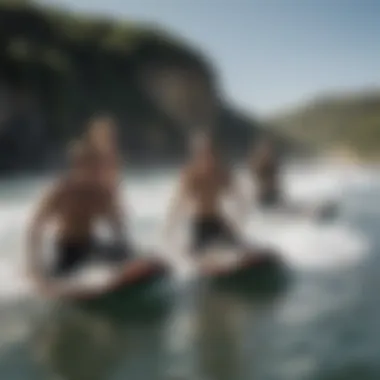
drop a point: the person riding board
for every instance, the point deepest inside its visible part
(76, 203)
(203, 182)
(264, 168)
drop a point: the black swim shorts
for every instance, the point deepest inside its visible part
(211, 230)
(269, 198)
(71, 254)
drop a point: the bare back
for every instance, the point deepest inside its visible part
(79, 207)
(206, 189)
(112, 166)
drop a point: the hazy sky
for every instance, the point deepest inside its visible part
(269, 53)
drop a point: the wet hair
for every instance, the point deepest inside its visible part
(100, 121)
(200, 140)
(81, 152)
(95, 127)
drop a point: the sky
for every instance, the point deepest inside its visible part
(269, 54)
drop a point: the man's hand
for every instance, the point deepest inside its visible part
(43, 286)
(44, 212)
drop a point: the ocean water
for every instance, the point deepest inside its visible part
(323, 326)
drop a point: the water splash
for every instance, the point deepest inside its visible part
(303, 243)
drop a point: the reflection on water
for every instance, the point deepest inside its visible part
(318, 325)
(203, 335)
(207, 333)
(80, 344)
(219, 338)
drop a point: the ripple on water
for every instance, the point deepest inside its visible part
(325, 321)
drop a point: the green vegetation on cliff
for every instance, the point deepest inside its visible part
(58, 68)
(351, 122)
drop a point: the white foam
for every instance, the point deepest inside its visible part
(308, 245)
(302, 242)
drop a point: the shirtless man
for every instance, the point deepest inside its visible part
(204, 181)
(264, 167)
(75, 203)
(101, 135)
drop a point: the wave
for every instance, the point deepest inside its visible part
(303, 243)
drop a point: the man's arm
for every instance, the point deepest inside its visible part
(44, 212)
(241, 198)
(178, 202)
(116, 217)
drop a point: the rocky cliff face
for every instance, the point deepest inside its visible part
(58, 69)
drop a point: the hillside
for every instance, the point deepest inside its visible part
(57, 69)
(350, 122)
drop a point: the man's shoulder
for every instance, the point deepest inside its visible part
(188, 173)
(59, 186)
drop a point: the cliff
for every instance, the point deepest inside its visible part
(57, 69)
(336, 123)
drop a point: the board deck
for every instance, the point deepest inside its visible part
(129, 274)
(255, 272)
(220, 263)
